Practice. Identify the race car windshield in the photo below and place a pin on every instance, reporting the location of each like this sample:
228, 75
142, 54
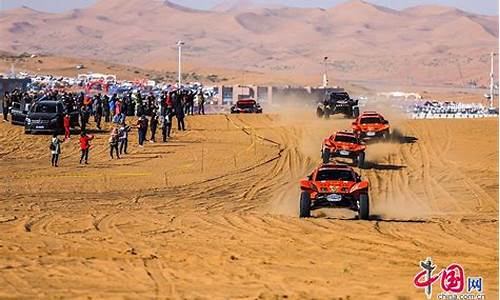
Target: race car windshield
44, 108
334, 175
371, 120
339, 97
246, 105
346, 139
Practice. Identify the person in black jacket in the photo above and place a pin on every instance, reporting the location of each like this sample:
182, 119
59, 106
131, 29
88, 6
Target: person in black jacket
105, 107
5, 106
84, 117
153, 124
98, 113
179, 111
142, 127
167, 124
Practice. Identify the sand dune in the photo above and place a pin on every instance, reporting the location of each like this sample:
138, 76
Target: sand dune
213, 214
363, 41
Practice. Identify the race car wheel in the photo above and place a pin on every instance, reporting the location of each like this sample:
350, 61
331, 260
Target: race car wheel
386, 135
305, 205
364, 208
319, 112
360, 162
355, 112
325, 155
327, 113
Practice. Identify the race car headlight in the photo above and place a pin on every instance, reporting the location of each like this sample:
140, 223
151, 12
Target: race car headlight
314, 187
28, 121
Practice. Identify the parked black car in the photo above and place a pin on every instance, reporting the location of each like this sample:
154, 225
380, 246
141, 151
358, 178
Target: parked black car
18, 113
48, 116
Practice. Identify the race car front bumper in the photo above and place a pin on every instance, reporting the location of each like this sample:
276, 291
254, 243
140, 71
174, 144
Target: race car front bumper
333, 200
344, 154
372, 134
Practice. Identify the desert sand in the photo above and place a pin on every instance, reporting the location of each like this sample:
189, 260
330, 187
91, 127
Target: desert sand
213, 213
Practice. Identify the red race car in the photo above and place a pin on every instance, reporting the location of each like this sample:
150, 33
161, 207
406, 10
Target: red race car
246, 106
371, 125
345, 145
334, 186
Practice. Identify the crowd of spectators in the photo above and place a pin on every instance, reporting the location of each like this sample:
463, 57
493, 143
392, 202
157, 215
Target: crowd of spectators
150, 112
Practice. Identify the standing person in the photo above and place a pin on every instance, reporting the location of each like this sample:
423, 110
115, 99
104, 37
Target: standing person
179, 110
112, 108
96, 102
5, 106
146, 125
105, 106
67, 125
179, 114
166, 125
118, 111
84, 116
123, 137
191, 100
113, 143
88, 103
125, 108
83, 125
201, 103
85, 146
80, 99
55, 149
150, 100
137, 105
142, 129
98, 114
168, 99
153, 125
139, 108
188, 103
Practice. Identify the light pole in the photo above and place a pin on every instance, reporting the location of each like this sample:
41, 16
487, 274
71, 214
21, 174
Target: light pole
325, 75
492, 81
180, 44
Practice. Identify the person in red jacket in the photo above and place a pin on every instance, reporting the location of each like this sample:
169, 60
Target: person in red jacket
85, 145
66, 127
118, 111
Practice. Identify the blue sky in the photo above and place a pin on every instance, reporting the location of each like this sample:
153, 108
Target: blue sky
489, 7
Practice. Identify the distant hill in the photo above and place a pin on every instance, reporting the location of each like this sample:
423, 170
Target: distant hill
424, 44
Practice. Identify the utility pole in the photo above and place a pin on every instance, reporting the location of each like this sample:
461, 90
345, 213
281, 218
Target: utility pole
180, 44
492, 82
